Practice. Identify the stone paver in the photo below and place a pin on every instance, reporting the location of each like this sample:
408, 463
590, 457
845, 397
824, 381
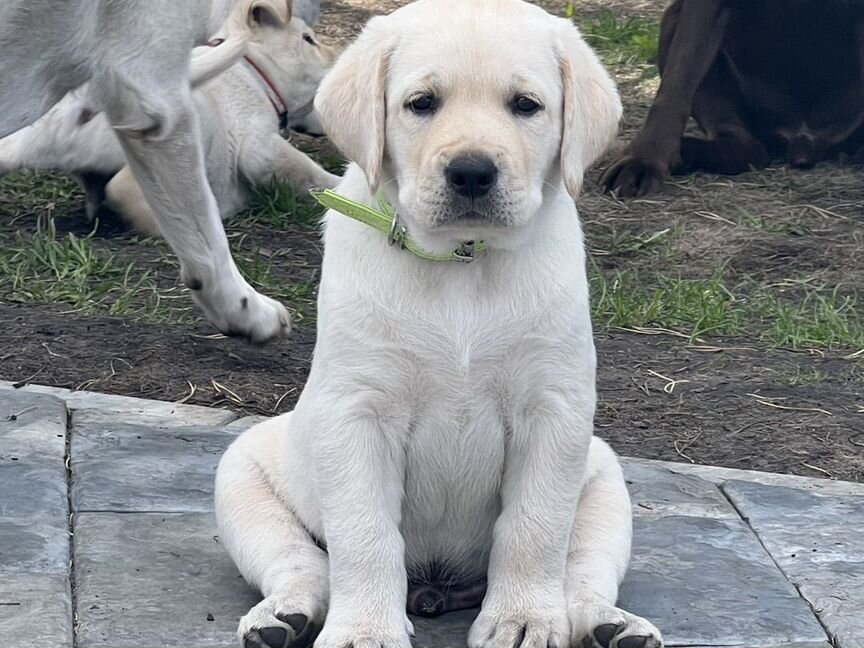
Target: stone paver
124, 467
35, 597
818, 541
708, 582
149, 571
146, 580
131, 408
35, 611
657, 491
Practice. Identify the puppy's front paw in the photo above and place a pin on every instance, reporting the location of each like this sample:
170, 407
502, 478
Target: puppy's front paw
537, 626
600, 625
370, 633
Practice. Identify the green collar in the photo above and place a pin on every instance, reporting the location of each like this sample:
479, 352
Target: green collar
386, 220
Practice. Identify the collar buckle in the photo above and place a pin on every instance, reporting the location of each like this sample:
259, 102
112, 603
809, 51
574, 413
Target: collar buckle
465, 252
396, 233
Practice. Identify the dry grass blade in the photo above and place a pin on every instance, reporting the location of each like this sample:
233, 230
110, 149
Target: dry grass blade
192, 390
227, 393
817, 469
671, 383
768, 403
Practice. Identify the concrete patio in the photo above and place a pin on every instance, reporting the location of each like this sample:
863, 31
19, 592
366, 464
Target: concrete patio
107, 538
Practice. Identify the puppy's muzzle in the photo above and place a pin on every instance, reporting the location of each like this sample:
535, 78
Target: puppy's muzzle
471, 176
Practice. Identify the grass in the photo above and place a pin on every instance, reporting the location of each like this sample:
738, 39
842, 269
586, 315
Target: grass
696, 308
43, 267
620, 40
690, 306
40, 266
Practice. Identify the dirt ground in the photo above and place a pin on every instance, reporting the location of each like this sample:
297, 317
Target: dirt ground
761, 394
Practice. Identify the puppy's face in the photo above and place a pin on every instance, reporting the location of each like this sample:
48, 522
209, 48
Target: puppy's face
473, 129
469, 114
290, 53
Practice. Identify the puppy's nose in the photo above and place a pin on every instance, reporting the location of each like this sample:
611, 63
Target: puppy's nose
471, 176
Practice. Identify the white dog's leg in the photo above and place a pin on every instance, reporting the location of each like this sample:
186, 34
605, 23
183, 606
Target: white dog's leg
270, 547
359, 467
159, 136
276, 159
598, 558
546, 453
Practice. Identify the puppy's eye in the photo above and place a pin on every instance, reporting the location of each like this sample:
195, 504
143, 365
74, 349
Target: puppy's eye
423, 104
309, 39
525, 106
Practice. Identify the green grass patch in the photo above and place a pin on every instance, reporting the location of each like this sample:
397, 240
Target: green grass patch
279, 207
41, 267
620, 40
814, 320
693, 307
703, 308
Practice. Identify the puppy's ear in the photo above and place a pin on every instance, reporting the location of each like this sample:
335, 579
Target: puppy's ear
269, 13
592, 107
351, 101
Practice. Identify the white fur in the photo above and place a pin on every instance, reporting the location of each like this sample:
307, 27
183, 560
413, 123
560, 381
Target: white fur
135, 60
448, 414
238, 124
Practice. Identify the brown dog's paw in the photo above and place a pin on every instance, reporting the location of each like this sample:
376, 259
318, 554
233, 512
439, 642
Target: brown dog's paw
634, 177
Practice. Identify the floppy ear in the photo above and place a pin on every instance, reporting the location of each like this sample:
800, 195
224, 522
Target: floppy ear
351, 101
592, 107
269, 13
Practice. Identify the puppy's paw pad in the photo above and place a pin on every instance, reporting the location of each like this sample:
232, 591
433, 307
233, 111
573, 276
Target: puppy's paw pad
276, 624
605, 626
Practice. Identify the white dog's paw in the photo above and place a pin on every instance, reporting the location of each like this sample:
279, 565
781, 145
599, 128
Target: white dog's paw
526, 628
600, 625
373, 634
246, 314
280, 622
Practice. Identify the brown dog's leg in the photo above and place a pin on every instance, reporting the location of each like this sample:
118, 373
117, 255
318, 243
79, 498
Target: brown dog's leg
691, 36
728, 146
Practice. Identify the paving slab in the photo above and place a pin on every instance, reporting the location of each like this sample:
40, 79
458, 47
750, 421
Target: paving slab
656, 491
818, 541
709, 582
147, 580
131, 408
35, 611
32, 428
128, 467
33, 546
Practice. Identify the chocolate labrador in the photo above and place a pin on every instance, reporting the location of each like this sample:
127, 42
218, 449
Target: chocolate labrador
764, 80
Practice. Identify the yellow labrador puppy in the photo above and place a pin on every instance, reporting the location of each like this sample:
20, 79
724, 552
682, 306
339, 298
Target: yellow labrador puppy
441, 454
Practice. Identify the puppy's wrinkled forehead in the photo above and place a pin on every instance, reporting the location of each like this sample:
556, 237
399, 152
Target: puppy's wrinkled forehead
474, 47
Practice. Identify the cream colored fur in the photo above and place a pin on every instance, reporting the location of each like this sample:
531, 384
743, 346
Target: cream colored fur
448, 415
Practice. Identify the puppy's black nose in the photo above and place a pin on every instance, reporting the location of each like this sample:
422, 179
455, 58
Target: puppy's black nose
471, 176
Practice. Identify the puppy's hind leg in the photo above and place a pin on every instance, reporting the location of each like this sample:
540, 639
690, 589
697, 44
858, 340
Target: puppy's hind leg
598, 558
275, 159
269, 545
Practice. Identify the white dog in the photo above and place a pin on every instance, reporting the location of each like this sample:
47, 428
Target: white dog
270, 80
441, 452
135, 59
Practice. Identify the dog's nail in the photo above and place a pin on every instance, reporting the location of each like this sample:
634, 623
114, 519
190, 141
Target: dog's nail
274, 637
296, 621
638, 641
604, 633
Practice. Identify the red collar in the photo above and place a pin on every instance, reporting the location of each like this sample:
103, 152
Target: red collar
273, 95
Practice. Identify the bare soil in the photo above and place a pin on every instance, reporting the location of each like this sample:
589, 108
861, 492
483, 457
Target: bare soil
714, 400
